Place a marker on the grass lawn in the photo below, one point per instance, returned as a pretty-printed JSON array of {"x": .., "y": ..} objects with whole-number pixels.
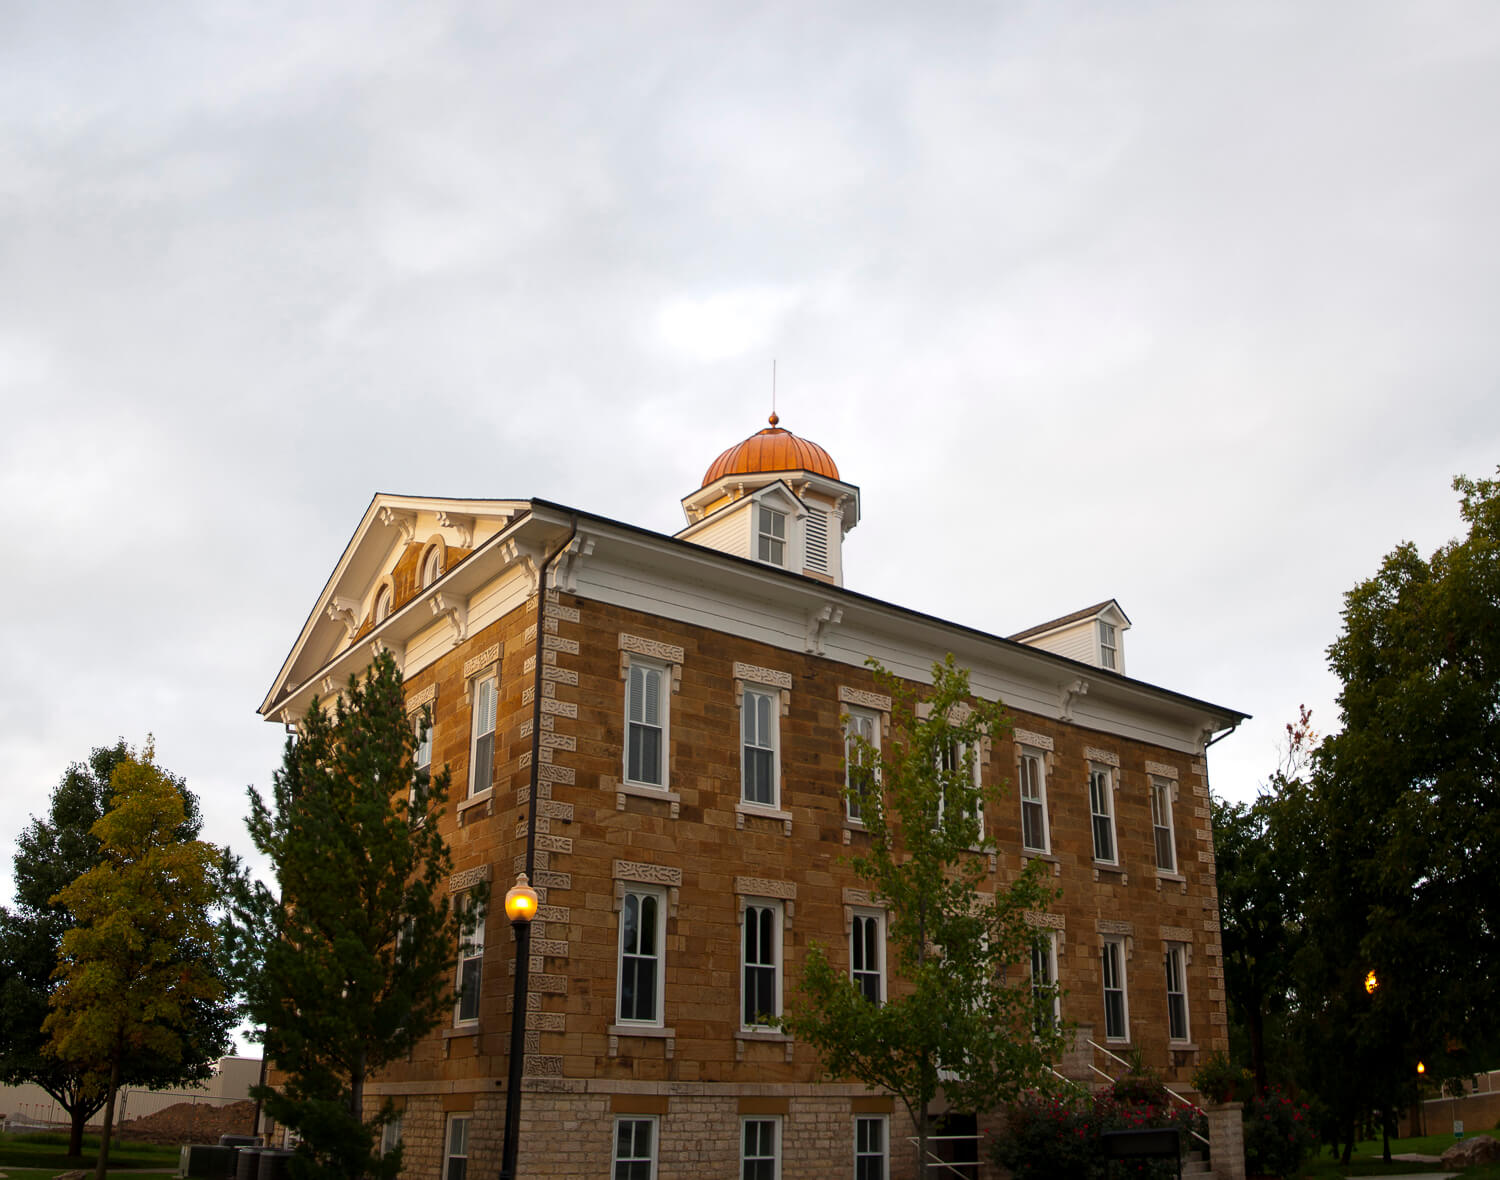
[
  {"x": 1367, "y": 1159},
  {"x": 46, "y": 1153}
]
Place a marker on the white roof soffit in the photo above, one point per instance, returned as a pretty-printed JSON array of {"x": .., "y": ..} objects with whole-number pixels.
[{"x": 834, "y": 489}]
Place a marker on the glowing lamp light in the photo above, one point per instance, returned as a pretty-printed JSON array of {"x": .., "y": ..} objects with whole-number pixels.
[
  {"x": 1371, "y": 983},
  {"x": 1421, "y": 1068},
  {"x": 520, "y": 901}
]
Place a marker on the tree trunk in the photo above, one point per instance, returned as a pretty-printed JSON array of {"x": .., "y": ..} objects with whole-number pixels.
[
  {"x": 78, "y": 1115},
  {"x": 109, "y": 1117},
  {"x": 1257, "y": 1029},
  {"x": 1385, "y": 1135},
  {"x": 922, "y": 1140}
]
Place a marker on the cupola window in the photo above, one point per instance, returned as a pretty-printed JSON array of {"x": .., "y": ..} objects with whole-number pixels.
[
  {"x": 772, "y": 536},
  {"x": 1107, "y": 645}
]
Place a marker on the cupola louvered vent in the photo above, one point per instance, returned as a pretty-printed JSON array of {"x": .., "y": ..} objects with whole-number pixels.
[{"x": 816, "y": 540}]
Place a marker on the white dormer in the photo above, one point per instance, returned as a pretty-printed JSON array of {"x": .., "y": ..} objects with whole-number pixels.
[
  {"x": 1094, "y": 635},
  {"x": 777, "y": 499}
]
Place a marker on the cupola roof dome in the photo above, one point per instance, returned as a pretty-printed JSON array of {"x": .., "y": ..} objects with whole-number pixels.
[{"x": 772, "y": 449}]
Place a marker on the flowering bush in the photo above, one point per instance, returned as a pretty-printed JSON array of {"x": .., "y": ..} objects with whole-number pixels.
[
  {"x": 1278, "y": 1134},
  {"x": 1219, "y": 1081},
  {"x": 1057, "y": 1138}
]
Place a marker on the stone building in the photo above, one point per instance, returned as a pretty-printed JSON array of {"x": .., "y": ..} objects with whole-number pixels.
[{"x": 676, "y": 708}]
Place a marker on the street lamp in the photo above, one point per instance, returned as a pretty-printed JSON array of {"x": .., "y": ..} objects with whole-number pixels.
[
  {"x": 1371, "y": 983},
  {"x": 520, "y": 908}
]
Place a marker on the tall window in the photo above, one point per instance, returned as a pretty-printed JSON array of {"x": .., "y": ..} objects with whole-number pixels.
[
  {"x": 456, "y": 1166},
  {"x": 432, "y": 566},
  {"x": 867, "y": 955},
  {"x": 953, "y": 758},
  {"x": 470, "y": 963},
  {"x": 760, "y": 1157},
  {"x": 1107, "y": 645},
  {"x": 760, "y": 709},
  {"x": 645, "y": 724},
  {"x": 863, "y": 725},
  {"x": 422, "y": 759},
  {"x": 390, "y": 1135},
  {"x": 482, "y": 748},
  {"x": 1102, "y": 805},
  {"x": 635, "y": 1149},
  {"x": 1046, "y": 1004},
  {"x": 1116, "y": 1013},
  {"x": 1177, "y": 999},
  {"x": 640, "y": 957},
  {"x": 761, "y": 964},
  {"x": 1161, "y": 824},
  {"x": 771, "y": 536},
  {"x": 1033, "y": 801},
  {"x": 870, "y": 1147}
]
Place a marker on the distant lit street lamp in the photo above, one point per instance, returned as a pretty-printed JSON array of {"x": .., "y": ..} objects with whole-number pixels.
[
  {"x": 1371, "y": 983},
  {"x": 520, "y": 908}
]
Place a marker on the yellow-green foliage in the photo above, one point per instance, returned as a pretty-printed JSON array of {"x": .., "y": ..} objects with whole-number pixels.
[{"x": 129, "y": 978}]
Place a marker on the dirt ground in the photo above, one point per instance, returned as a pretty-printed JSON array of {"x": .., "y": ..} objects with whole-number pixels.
[{"x": 187, "y": 1122}]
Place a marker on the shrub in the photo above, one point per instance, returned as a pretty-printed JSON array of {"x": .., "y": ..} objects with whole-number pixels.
[
  {"x": 1057, "y": 1138},
  {"x": 1218, "y": 1080},
  {"x": 1278, "y": 1134}
]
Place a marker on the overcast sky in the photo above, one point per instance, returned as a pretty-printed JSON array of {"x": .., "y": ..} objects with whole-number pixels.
[{"x": 1193, "y": 305}]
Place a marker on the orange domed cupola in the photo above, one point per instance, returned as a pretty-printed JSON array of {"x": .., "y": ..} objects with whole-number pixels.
[{"x": 772, "y": 449}]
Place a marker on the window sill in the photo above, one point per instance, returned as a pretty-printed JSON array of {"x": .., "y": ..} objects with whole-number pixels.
[
  {"x": 1111, "y": 870},
  {"x": 484, "y": 796},
  {"x": 641, "y": 1030},
  {"x": 467, "y": 1029},
  {"x": 762, "y": 1034},
  {"x": 1038, "y": 854},
  {"x": 1183, "y": 1046},
  {"x": 761, "y": 811},
  {"x": 1170, "y": 875},
  {"x": 647, "y": 791}
]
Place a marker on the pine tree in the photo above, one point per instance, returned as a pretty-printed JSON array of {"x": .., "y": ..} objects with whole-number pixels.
[
  {"x": 350, "y": 962},
  {"x": 962, "y": 1014}
]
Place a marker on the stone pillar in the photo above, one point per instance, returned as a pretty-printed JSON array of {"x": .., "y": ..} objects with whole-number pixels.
[
  {"x": 1226, "y": 1140},
  {"x": 1077, "y": 1057}
]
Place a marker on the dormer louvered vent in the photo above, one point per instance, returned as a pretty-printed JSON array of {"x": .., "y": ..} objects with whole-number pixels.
[{"x": 815, "y": 534}]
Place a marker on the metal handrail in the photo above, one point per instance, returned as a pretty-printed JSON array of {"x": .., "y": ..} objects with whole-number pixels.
[
  {"x": 1193, "y": 1106},
  {"x": 952, "y": 1167}
]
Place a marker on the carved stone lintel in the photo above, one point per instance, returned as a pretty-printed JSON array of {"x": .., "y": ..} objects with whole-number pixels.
[
  {"x": 458, "y": 882},
  {"x": 758, "y": 675},
  {"x": 477, "y": 663},
  {"x": 427, "y": 696},
  {"x": 865, "y": 700},
  {"x": 1045, "y": 921},
  {"x": 765, "y": 887},
  {"x": 1162, "y": 770},
  {"x": 648, "y": 874},
  {"x": 1103, "y": 757},
  {"x": 1176, "y": 934},
  {"x": 1113, "y": 926},
  {"x": 1038, "y": 741}
]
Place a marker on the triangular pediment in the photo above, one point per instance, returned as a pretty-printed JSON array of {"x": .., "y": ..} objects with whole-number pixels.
[{"x": 404, "y": 546}]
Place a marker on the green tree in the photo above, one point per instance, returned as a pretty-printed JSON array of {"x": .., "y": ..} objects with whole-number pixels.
[
  {"x": 52, "y": 852},
  {"x": 1405, "y": 797},
  {"x": 962, "y": 1014},
  {"x": 1260, "y": 856},
  {"x": 137, "y": 968},
  {"x": 350, "y": 962}
]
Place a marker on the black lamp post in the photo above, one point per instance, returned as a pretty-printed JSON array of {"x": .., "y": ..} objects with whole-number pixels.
[{"x": 520, "y": 908}]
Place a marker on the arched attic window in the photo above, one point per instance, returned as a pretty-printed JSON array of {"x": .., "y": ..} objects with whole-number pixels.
[
  {"x": 383, "y": 600},
  {"x": 432, "y": 565}
]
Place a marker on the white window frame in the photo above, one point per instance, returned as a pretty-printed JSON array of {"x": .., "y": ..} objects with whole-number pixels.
[
  {"x": 1044, "y": 951},
  {"x": 449, "y": 1155},
  {"x": 1114, "y": 946},
  {"x": 856, "y": 719},
  {"x": 768, "y": 540},
  {"x": 1103, "y": 778},
  {"x": 470, "y": 951},
  {"x": 759, "y": 911},
  {"x": 883, "y": 1155},
  {"x": 1037, "y": 760},
  {"x": 640, "y": 894},
  {"x": 1161, "y": 810},
  {"x": 772, "y": 698},
  {"x": 663, "y": 673},
  {"x": 1177, "y": 955},
  {"x": 617, "y": 1162},
  {"x": 950, "y": 757},
  {"x": 772, "y": 1120},
  {"x": 432, "y": 566},
  {"x": 1109, "y": 644},
  {"x": 476, "y": 736},
  {"x": 862, "y": 923},
  {"x": 385, "y": 601}
]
